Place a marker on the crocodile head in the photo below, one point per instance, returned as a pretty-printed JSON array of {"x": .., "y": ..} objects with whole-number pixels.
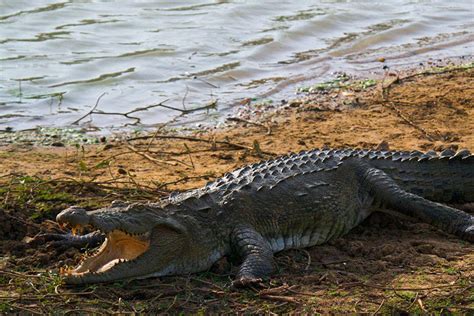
[{"x": 141, "y": 241}]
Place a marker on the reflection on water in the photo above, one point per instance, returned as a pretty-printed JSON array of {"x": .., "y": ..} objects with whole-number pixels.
[{"x": 57, "y": 57}]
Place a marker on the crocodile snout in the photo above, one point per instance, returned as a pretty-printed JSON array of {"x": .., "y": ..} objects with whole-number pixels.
[{"x": 74, "y": 216}]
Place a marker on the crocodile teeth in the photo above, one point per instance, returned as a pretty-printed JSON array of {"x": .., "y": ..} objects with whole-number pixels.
[
  {"x": 109, "y": 265},
  {"x": 76, "y": 229},
  {"x": 65, "y": 270},
  {"x": 119, "y": 247}
]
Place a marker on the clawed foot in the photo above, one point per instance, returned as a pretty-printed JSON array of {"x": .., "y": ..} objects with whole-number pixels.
[
  {"x": 64, "y": 241},
  {"x": 247, "y": 281},
  {"x": 44, "y": 238},
  {"x": 466, "y": 230},
  {"x": 468, "y": 234}
]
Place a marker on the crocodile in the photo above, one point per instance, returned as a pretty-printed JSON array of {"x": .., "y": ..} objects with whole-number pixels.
[{"x": 293, "y": 201}]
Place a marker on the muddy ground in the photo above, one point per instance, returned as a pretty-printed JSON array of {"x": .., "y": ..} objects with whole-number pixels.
[{"x": 387, "y": 265}]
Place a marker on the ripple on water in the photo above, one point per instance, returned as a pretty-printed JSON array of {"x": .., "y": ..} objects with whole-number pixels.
[{"x": 57, "y": 55}]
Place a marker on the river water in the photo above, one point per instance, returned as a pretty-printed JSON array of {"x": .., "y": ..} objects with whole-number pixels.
[{"x": 57, "y": 57}]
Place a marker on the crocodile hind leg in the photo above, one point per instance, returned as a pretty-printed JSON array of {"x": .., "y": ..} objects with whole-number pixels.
[
  {"x": 256, "y": 254},
  {"x": 388, "y": 194}
]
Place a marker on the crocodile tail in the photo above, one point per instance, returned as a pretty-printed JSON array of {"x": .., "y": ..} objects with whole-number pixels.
[{"x": 446, "y": 177}]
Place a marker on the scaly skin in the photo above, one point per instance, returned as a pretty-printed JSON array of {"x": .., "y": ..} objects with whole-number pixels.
[{"x": 294, "y": 201}]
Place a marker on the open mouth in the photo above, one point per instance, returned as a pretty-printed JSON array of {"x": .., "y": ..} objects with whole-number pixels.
[{"x": 118, "y": 247}]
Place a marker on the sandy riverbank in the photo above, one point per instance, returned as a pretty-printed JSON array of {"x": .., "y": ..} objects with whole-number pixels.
[{"x": 385, "y": 265}]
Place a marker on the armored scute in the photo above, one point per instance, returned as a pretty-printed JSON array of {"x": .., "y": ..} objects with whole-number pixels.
[{"x": 297, "y": 200}]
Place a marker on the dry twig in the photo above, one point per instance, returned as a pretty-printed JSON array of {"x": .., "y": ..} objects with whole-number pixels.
[
  {"x": 152, "y": 159},
  {"x": 196, "y": 139},
  {"x": 278, "y": 298},
  {"x": 237, "y": 119},
  {"x": 425, "y": 133},
  {"x": 379, "y": 308},
  {"x": 126, "y": 114}
]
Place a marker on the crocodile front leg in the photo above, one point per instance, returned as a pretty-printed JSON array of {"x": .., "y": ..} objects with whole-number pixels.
[
  {"x": 389, "y": 194},
  {"x": 63, "y": 241},
  {"x": 256, "y": 254}
]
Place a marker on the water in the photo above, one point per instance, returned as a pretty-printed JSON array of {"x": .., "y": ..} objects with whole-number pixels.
[{"x": 57, "y": 57}]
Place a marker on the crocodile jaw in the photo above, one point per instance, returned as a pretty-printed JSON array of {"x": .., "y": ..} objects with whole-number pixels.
[
  {"x": 162, "y": 251},
  {"x": 118, "y": 247},
  {"x": 141, "y": 241}
]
